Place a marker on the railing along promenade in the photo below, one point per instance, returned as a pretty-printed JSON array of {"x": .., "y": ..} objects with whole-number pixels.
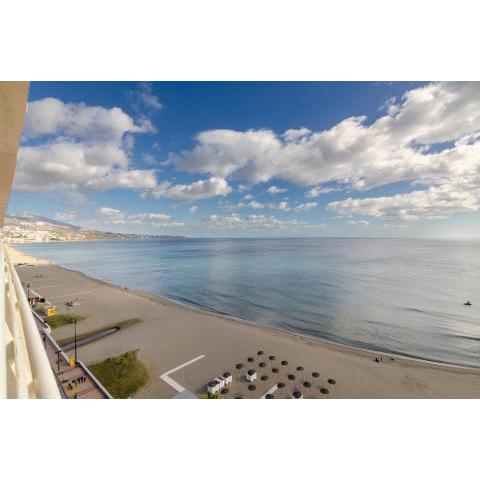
[{"x": 25, "y": 370}]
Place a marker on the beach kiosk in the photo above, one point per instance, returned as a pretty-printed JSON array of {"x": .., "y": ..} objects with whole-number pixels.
[{"x": 47, "y": 308}]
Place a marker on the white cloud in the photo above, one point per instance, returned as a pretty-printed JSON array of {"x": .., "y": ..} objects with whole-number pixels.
[
  {"x": 254, "y": 222},
  {"x": 255, "y": 205},
  {"x": 64, "y": 166},
  {"x": 113, "y": 216},
  {"x": 434, "y": 202},
  {"x": 361, "y": 223},
  {"x": 67, "y": 216},
  {"x": 87, "y": 148},
  {"x": 248, "y": 197},
  {"x": 317, "y": 191},
  {"x": 193, "y": 209},
  {"x": 302, "y": 207},
  {"x": 146, "y": 98},
  {"x": 399, "y": 146},
  {"x": 110, "y": 215},
  {"x": 273, "y": 190},
  {"x": 51, "y": 116},
  {"x": 200, "y": 189},
  {"x": 132, "y": 179},
  {"x": 78, "y": 147},
  {"x": 281, "y": 206}
]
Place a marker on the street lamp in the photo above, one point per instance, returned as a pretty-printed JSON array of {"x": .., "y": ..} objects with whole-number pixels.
[{"x": 75, "y": 341}]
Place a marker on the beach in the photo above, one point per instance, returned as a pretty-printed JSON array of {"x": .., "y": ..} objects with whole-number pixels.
[{"x": 196, "y": 346}]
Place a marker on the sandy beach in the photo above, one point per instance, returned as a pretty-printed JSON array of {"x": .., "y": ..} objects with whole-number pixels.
[{"x": 169, "y": 336}]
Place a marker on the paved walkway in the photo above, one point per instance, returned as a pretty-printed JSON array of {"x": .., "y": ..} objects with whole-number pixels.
[{"x": 72, "y": 380}]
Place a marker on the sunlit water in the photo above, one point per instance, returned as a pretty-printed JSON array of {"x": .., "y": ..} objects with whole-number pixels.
[{"x": 403, "y": 296}]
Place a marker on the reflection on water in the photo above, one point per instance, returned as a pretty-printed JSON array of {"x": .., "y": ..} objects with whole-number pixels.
[{"x": 403, "y": 296}]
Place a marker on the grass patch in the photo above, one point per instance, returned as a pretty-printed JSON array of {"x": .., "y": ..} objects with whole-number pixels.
[
  {"x": 122, "y": 376},
  {"x": 62, "y": 319}
]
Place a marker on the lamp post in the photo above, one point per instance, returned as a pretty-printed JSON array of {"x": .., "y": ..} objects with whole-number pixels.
[{"x": 75, "y": 341}]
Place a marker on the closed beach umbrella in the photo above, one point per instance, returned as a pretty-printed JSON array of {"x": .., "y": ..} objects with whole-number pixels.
[
  {"x": 324, "y": 391},
  {"x": 224, "y": 391},
  {"x": 239, "y": 367},
  {"x": 269, "y": 395},
  {"x": 271, "y": 358},
  {"x": 252, "y": 388},
  {"x": 297, "y": 394},
  {"x": 300, "y": 369},
  {"x": 284, "y": 362},
  {"x": 250, "y": 359},
  {"x": 307, "y": 384},
  {"x": 280, "y": 385},
  {"x": 315, "y": 375},
  {"x": 264, "y": 378},
  {"x": 291, "y": 377},
  {"x": 331, "y": 381},
  {"x": 260, "y": 354}
]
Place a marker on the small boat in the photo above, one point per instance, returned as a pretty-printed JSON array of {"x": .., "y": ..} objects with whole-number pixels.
[{"x": 468, "y": 303}]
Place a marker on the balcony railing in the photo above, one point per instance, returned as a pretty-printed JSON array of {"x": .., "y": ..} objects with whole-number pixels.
[{"x": 25, "y": 371}]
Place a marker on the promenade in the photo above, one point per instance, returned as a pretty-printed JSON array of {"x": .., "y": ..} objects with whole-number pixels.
[{"x": 75, "y": 382}]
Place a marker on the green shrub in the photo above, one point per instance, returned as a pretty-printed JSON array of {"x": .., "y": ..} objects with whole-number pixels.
[
  {"x": 62, "y": 319},
  {"x": 122, "y": 376}
]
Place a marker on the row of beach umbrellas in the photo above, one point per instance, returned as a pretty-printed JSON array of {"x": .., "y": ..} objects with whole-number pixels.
[{"x": 299, "y": 382}]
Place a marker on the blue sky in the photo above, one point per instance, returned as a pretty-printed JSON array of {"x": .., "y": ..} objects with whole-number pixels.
[{"x": 254, "y": 158}]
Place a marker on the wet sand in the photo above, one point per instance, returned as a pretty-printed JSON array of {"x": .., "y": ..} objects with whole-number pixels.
[{"x": 170, "y": 335}]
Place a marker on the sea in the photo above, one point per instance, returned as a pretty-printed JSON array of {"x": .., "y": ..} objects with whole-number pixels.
[{"x": 403, "y": 296}]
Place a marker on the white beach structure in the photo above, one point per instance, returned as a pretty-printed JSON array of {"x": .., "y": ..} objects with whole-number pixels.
[
  {"x": 213, "y": 387},
  {"x": 227, "y": 376},
  {"x": 25, "y": 371}
]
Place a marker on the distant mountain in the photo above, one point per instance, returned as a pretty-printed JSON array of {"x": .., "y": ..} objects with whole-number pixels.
[
  {"x": 26, "y": 227},
  {"x": 30, "y": 217}
]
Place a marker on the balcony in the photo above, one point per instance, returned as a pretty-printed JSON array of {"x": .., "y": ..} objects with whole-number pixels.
[{"x": 25, "y": 370}]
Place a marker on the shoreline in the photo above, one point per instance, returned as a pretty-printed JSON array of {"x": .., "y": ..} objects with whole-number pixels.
[
  {"x": 162, "y": 299},
  {"x": 212, "y": 326}
]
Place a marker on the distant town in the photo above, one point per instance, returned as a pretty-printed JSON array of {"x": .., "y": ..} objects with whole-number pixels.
[{"x": 32, "y": 228}]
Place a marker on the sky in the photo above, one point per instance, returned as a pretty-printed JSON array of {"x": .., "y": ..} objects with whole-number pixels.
[{"x": 235, "y": 159}]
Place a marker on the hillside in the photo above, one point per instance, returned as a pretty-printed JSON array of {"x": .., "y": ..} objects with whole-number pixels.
[{"x": 30, "y": 228}]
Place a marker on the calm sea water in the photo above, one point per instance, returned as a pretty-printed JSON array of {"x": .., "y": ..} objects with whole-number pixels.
[{"x": 402, "y": 296}]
